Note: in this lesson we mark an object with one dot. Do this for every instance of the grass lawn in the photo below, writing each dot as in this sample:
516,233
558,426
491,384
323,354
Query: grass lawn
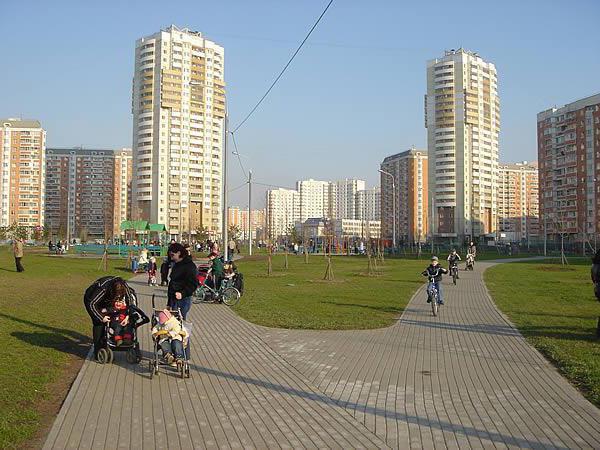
44,330
299,298
555,309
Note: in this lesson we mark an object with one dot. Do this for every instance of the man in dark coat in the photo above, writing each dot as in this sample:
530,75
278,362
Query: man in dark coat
183,281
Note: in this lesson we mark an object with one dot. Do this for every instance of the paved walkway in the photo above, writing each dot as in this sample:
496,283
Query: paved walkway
466,379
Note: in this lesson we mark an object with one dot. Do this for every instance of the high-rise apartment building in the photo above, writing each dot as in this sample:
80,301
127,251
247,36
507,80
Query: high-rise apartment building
518,204
344,198
409,171
368,203
314,197
178,122
239,218
462,116
282,211
87,192
122,195
569,169
22,173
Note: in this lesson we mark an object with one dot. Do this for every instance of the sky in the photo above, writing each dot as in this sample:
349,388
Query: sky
353,95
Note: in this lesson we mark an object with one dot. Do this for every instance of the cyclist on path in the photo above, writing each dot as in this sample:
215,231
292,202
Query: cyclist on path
435,270
453,259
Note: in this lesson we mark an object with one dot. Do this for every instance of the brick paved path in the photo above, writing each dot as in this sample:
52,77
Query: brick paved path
464,379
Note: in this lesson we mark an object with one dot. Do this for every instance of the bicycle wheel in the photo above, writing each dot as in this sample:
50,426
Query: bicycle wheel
454,275
230,296
434,306
198,296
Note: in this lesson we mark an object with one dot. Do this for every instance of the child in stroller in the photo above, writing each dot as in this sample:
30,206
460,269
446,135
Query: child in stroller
171,339
121,322
152,271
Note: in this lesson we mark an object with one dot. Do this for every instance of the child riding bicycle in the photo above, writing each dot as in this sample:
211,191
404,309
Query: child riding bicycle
435,271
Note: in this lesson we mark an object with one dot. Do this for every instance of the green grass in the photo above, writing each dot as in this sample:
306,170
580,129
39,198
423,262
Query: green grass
299,298
555,309
43,328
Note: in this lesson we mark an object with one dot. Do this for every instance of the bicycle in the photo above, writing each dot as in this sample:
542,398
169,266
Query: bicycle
226,294
433,295
454,272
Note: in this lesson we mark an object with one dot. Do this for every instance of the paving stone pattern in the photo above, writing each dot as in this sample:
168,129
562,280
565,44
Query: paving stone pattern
466,379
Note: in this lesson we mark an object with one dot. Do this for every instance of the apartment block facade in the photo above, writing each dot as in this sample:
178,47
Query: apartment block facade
22,173
88,192
409,170
239,218
462,117
344,198
178,107
315,199
569,169
368,203
282,211
518,202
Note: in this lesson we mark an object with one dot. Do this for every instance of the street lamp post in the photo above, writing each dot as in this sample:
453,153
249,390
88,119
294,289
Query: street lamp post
393,207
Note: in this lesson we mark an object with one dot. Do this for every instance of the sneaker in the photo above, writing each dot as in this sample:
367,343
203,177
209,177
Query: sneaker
173,364
441,302
169,358
428,300
179,362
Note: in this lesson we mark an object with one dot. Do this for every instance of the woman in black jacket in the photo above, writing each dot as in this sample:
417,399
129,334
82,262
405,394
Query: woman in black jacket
184,279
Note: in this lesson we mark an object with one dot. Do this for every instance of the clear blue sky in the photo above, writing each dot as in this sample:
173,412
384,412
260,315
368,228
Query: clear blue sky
351,97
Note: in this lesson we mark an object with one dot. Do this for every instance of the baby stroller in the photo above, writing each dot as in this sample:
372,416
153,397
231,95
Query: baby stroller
137,318
157,359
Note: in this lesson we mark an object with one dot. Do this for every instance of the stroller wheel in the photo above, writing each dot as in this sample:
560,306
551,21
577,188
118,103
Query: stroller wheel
187,370
111,356
102,356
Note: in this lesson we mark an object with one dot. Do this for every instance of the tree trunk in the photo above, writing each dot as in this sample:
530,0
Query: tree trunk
285,263
328,271
269,265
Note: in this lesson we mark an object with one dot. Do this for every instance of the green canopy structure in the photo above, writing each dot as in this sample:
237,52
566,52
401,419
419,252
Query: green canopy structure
134,225
134,228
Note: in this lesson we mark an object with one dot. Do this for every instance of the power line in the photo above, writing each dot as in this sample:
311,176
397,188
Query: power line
284,69
237,153
272,185
238,187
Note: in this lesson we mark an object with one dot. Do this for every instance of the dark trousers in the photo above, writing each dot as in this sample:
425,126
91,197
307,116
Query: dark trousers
98,337
18,264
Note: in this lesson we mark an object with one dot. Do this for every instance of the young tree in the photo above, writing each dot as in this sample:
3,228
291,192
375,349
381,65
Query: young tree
234,232
202,233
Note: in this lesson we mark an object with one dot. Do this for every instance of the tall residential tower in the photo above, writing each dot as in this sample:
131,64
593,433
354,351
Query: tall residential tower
22,173
462,116
178,118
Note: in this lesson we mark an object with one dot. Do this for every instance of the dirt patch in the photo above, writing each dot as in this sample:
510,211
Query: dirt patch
556,269
48,408
327,281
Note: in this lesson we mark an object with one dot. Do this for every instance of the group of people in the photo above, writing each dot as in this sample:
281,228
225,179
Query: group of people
110,302
60,247
435,271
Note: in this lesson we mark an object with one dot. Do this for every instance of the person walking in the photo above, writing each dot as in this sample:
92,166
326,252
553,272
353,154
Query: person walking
18,252
183,281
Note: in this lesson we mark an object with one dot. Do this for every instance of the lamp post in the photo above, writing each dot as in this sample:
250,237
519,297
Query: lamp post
393,207
238,154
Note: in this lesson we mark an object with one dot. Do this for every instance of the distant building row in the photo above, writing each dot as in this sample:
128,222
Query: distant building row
76,193
345,199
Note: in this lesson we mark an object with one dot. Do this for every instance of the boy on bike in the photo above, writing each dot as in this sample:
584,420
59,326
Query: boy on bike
453,259
435,270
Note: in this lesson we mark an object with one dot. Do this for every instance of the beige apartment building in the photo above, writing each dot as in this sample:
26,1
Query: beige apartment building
22,173
518,202
569,169
88,192
178,110
462,117
239,218
409,171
